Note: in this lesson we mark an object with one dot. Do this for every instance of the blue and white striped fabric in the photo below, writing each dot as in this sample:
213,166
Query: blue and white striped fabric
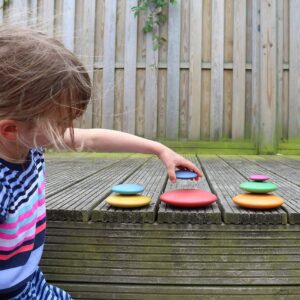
22,230
39,289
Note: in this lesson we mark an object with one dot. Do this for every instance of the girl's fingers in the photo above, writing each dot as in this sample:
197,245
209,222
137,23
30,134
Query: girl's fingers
172,176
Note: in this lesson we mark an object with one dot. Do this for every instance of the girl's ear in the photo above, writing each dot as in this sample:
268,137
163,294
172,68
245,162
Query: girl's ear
8,129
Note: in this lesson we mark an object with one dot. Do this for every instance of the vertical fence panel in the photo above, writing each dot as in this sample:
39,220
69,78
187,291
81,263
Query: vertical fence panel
255,112
268,139
184,69
172,111
85,49
109,63
140,104
130,68
286,30
32,13
97,97
195,69
162,100
17,12
217,69
119,66
150,115
294,97
46,16
228,58
68,24
141,89
98,64
239,72
162,80
279,79
1,11
99,33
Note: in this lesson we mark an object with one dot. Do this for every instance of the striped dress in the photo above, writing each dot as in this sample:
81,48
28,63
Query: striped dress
22,230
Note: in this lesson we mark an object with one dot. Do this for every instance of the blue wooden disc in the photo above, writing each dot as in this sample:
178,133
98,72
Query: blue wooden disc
127,189
182,174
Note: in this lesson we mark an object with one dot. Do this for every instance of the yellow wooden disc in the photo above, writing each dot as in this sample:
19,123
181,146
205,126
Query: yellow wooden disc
258,201
128,201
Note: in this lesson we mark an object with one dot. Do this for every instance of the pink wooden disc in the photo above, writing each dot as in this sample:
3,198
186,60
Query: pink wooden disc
188,198
259,177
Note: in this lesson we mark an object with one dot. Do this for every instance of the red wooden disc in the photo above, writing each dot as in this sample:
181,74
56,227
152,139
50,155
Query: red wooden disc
188,198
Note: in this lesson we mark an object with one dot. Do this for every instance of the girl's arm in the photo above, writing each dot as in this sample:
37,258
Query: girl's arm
105,140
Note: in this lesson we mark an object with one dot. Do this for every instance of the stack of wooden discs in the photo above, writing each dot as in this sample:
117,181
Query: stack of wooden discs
258,196
188,198
128,196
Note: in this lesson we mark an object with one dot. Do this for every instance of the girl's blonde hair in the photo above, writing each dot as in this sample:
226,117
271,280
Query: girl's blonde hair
39,76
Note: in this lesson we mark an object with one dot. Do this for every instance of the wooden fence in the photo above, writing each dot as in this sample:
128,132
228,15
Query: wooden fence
230,69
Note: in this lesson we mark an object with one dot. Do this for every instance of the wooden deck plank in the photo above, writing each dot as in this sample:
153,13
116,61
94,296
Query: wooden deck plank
286,172
58,175
172,254
293,163
225,182
75,202
152,176
289,191
129,292
206,215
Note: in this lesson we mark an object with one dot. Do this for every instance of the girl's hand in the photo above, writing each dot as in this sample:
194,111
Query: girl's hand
172,160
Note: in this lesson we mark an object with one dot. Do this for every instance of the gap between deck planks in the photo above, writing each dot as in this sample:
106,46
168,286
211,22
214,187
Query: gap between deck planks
77,190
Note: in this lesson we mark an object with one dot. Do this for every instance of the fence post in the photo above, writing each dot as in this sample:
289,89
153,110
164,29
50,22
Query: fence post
129,103
239,70
109,42
255,88
268,69
172,111
217,70
294,84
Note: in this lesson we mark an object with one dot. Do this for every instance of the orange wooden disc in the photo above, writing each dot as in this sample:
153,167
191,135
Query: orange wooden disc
258,201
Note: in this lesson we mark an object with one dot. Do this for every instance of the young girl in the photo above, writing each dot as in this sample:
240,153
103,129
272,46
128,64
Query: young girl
43,89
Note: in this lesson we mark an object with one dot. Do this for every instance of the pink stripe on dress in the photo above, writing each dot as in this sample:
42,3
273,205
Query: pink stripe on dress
31,237
28,226
24,216
41,188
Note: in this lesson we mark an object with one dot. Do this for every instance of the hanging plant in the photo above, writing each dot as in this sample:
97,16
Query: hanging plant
5,4
155,18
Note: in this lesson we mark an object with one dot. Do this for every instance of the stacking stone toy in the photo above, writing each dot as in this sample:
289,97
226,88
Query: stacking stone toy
258,196
188,198
128,196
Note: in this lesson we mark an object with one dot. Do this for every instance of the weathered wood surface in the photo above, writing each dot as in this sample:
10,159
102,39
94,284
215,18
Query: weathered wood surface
222,58
147,292
173,259
117,255
76,200
76,190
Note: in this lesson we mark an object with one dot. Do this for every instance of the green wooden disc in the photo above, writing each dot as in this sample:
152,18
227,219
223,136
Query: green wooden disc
258,187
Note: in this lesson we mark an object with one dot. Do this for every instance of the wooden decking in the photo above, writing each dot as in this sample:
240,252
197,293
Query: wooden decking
161,252
77,189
